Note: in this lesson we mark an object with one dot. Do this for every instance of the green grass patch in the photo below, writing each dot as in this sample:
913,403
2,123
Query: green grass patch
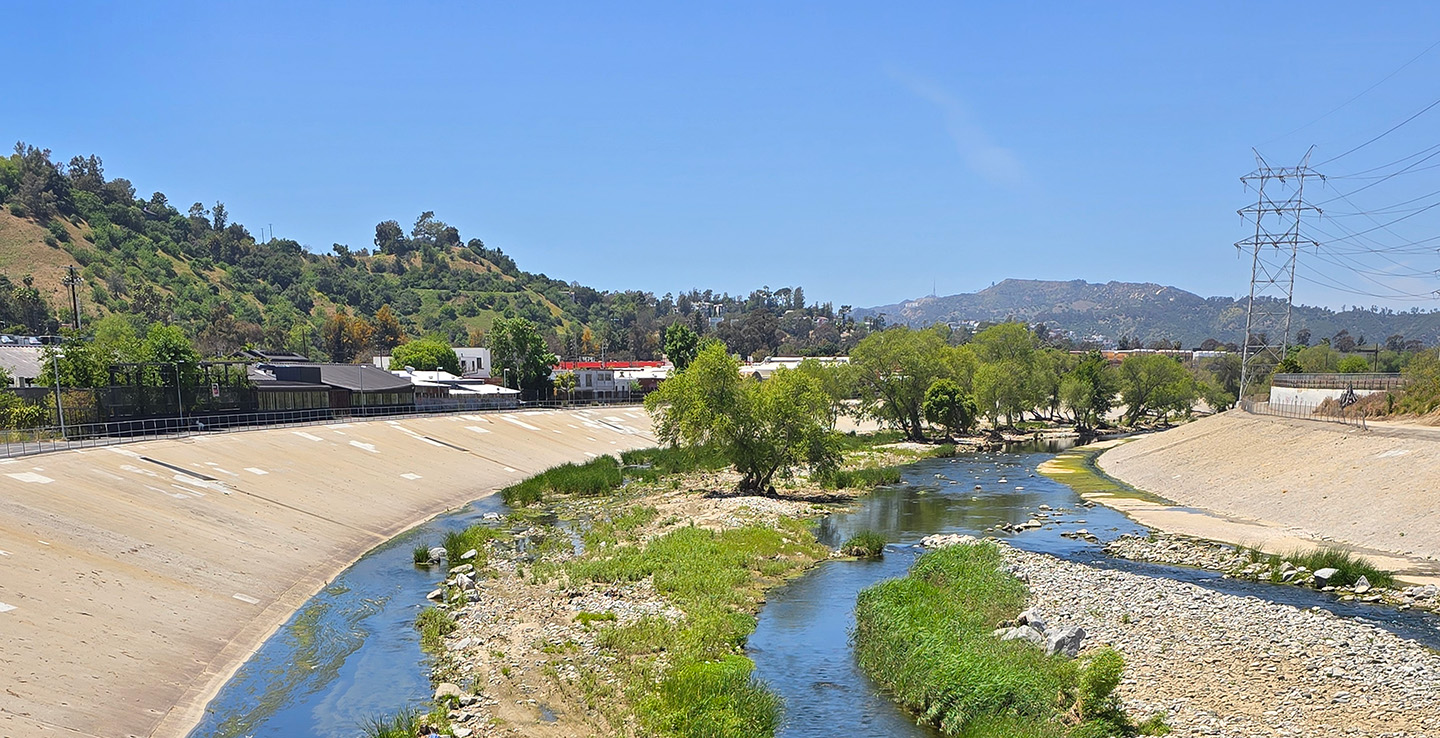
649,464
927,639
406,723
421,554
945,451
434,624
687,677
865,441
458,542
596,477
1350,566
866,544
586,618
865,478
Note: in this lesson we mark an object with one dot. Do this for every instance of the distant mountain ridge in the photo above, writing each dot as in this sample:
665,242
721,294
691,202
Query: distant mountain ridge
1143,310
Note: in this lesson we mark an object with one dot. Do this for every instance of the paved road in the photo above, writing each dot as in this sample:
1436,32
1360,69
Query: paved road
135,579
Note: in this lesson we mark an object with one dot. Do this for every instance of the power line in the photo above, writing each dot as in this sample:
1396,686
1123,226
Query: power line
1388,131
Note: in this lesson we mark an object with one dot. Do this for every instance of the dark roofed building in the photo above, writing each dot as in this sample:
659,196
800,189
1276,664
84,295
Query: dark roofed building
349,385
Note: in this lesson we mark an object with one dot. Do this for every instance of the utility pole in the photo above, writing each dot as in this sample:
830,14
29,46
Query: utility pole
73,280
1277,213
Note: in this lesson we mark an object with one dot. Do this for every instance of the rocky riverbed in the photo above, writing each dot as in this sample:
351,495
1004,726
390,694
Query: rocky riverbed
1166,548
1223,665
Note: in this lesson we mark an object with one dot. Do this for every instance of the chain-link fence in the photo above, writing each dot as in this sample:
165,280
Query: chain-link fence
48,438
1328,412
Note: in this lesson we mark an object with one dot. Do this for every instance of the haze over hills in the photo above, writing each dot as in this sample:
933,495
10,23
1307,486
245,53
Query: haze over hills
1143,310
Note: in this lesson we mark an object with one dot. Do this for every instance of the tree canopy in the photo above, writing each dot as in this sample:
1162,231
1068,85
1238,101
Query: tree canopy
765,429
519,352
425,354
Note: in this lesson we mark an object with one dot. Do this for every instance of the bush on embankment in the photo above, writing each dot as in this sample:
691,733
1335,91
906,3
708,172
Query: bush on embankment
860,478
927,639
1349,566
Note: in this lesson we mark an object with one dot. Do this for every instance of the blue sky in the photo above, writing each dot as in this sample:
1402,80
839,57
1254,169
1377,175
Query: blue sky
862,150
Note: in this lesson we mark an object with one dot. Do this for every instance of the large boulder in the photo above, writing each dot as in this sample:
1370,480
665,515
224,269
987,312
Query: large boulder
1024,633
1032,618
1325,577
1362,585
437,554
1064,640
446,689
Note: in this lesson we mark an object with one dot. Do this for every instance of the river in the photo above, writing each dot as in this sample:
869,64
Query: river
351,652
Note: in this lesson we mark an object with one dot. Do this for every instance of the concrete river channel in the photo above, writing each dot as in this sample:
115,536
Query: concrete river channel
351,652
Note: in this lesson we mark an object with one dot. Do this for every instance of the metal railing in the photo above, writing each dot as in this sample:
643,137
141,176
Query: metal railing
1359,381
48,439
1328,413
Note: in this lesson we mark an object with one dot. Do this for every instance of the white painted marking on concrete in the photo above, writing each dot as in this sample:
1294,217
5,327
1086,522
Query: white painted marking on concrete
341,425
123,452
307,436
106,474
30,477
246,598
223,470
534,412
1392,452
408,475
508,469
6,608
366,446
472,417
340,433
519,422
588,438
557,432
43,543
592,455
572,425
4,553
477,429
614,419
8,461
168,493
633,415
256,470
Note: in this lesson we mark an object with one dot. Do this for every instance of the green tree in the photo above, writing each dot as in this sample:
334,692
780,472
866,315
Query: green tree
765,429
565,384
948,406
892,370
681,343
425,354
518,349
166,345
1353,365
1155,383
1089,390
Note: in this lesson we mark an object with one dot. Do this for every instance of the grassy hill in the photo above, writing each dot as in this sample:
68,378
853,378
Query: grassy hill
1146,311
151,262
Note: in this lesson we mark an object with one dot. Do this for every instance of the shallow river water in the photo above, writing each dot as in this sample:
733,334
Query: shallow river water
351,652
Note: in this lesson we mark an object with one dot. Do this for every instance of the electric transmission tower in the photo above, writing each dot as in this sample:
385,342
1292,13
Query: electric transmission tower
1277,212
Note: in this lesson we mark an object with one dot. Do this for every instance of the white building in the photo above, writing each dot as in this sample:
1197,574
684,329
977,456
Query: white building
443,388
474,362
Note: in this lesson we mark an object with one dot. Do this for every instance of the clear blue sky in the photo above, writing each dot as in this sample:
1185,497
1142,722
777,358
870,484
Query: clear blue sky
861,150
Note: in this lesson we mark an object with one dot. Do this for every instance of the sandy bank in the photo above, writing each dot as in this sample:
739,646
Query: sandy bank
1283,483
136,579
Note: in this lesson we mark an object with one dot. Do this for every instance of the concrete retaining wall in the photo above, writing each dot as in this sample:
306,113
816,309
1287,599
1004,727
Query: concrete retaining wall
132,587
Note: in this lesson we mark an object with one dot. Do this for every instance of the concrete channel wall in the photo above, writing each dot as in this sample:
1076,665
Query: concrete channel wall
135,579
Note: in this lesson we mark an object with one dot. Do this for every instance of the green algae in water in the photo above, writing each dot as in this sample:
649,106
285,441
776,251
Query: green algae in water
1077,469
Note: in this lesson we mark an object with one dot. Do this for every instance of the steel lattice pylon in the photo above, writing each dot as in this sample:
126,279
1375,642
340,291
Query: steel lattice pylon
1277,212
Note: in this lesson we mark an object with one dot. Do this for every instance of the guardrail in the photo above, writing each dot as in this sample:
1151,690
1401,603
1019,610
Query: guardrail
48,439
1305,411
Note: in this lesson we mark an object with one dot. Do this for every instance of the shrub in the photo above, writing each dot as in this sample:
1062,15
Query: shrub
457,542
944,451
865,544
17,210
434,624
421,554
860,478
404,724
586,618
593,478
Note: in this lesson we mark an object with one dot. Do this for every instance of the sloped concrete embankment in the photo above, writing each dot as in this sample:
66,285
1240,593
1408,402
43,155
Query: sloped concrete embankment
1283,482
136,579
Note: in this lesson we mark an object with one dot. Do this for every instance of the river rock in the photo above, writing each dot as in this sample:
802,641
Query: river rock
468,555
446,689
943,540
434,595
1031,618
1024,633
1323,576
462,569
463,581
1064,640
1362,585
437,554
461,732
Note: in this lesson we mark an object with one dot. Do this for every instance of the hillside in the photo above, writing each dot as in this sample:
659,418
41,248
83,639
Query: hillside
147,260
1146,311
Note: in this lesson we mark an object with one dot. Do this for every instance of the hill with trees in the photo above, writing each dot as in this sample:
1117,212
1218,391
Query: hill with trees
1147,312
151,261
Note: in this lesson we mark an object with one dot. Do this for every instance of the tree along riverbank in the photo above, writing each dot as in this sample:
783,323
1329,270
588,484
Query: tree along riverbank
619,600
